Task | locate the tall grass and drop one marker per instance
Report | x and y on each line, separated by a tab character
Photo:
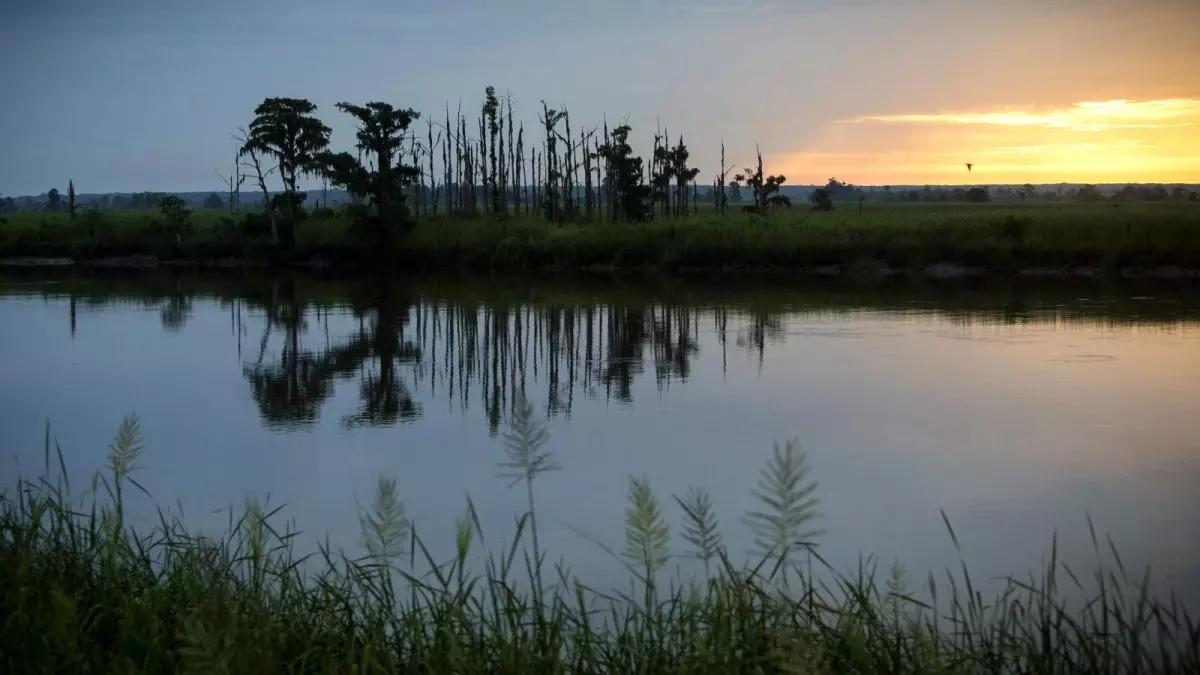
84	591
995	237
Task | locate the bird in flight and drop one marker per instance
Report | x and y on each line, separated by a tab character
969	165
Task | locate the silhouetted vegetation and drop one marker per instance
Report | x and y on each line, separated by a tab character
470	193
86	589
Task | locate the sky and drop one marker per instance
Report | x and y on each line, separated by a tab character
135	95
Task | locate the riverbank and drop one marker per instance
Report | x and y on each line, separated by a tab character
953	240
85	591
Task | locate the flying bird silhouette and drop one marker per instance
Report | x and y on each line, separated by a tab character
969	165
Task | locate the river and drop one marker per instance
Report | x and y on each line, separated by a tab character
1016	408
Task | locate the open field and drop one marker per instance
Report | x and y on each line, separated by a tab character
997	238
86	591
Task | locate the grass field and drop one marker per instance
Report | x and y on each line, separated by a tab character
83	591
996	237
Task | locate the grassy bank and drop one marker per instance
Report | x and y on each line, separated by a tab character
997	238
83	592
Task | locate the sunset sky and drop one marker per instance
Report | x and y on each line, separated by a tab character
140	95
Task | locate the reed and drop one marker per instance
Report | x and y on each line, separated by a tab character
84	591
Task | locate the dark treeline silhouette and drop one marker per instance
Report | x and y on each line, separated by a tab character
404	344
402	165
839	191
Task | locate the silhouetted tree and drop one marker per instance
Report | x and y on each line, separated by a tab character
630	197
286	130
683	175
978	195
765	189
177	216
253	161
1088	193
491	111
53	201
71	199
213	202
840	191
381	133
821	200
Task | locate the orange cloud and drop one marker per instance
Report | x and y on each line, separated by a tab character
1083	116
1093	141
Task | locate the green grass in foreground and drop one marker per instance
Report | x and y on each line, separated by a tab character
83	592
999	237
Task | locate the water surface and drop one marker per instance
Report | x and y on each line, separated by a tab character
1015	409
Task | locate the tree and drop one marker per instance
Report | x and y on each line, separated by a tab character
382	130
53	201
286	130
839	191
764	188
630	198
71	199
254	162
978	195
1088	193
213	202
821	199
177	216
683	175
491	109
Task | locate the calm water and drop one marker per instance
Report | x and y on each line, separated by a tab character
1016	410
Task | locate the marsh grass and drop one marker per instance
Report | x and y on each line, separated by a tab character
85	592
997	237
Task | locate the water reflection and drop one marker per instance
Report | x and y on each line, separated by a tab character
292	388
469	342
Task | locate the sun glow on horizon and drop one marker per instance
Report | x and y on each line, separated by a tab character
1090	141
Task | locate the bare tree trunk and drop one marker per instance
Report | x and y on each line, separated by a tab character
513	172
722	200
433	194
569	172
610	194
519	185
599	181
502	176
759	198
447	165
237	190
587	175
262	184
420	182
483	163
493	130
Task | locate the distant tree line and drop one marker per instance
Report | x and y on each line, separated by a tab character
838	191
